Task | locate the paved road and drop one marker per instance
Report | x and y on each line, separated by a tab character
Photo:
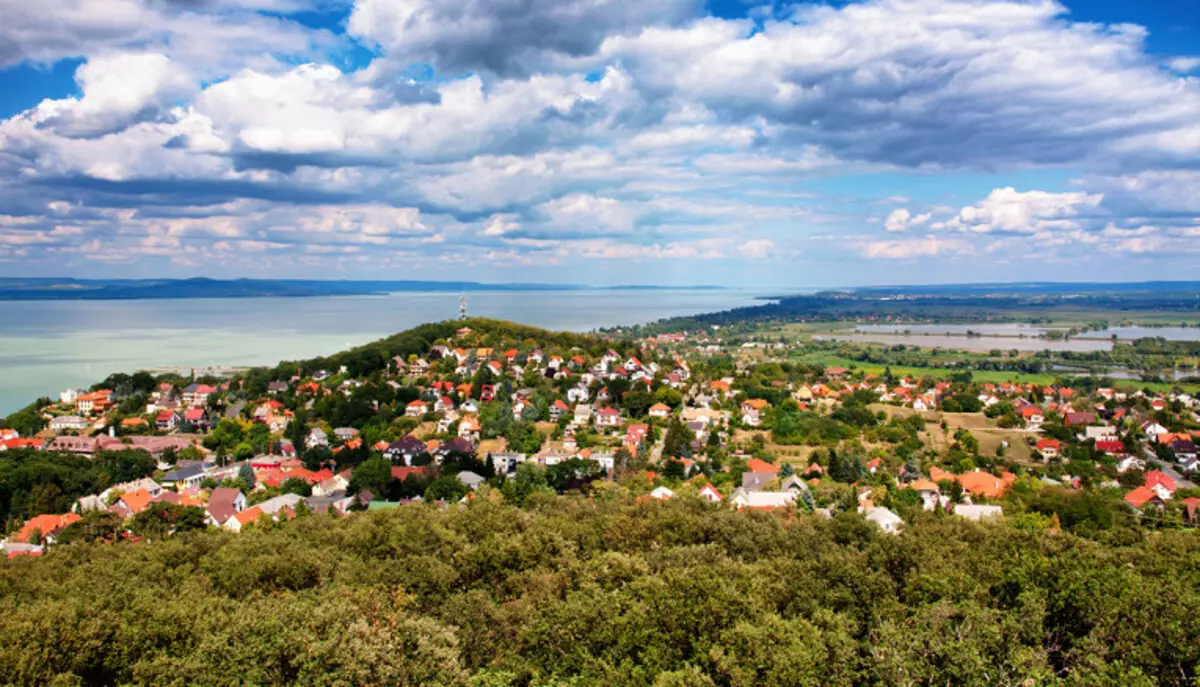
233	411
1180	481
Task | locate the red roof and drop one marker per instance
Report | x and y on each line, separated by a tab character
1158	478
1112	446
45	524
1140	496
402	473
193	414
756	465
1048	443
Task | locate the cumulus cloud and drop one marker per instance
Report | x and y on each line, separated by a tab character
1009	210
118	90
901	219
507	37
560	132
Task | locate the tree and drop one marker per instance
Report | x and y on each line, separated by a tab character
446	488
246	474
295	485
372	475
678	442
529	480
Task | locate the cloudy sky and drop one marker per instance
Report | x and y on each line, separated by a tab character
601	141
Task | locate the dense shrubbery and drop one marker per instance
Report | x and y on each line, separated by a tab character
35	482
590	592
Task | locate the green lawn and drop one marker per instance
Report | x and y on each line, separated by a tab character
994	376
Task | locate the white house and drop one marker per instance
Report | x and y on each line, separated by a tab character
887	521
608	417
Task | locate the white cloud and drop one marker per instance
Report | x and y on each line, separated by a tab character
756	248
499	225
118	90
1009	210
587	213
928	246
1183	65
901	219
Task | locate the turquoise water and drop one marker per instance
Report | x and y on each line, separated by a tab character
48	346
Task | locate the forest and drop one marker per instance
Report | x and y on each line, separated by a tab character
606	590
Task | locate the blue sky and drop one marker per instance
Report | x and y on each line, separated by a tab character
602	141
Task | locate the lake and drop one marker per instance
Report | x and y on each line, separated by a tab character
1133	333
49	346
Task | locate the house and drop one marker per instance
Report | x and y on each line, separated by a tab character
1152	430
317	437
345	433
44	528
577	394
608	417
1162	484
94	402
752	409
405	450
709	493
887	521
241	519
1128	463
762	500
662	494
167	420
1100	433
469	428
929	491
1185	450
68	397
1032	415
985	484
198	394
277	387
1140	497
1079	419
583	414
224	503
131	503
470	480
416	408
185	476
198	418
1049	448
978	513
660	410
69	422
558	409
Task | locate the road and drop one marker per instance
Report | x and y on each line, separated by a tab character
1180	481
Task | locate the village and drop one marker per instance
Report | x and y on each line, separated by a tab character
484	413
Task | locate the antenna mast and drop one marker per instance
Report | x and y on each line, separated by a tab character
462	306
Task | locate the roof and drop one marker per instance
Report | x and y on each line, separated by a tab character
1158	478
249	515
46	525
1140	496
982	484
756	465
221	503
136	501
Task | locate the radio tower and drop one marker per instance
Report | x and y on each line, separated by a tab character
462	306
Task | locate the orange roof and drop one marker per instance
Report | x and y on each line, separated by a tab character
922	485
755	403
133	422
660	407
982	484
756	465
720	384
1140	496
136	501
45	524
249	515
937	474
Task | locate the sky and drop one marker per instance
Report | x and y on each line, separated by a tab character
603	142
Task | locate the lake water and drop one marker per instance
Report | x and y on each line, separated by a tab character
48	346
975	343
1133	333
1000	329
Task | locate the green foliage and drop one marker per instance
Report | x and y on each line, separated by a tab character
606	592
246	474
